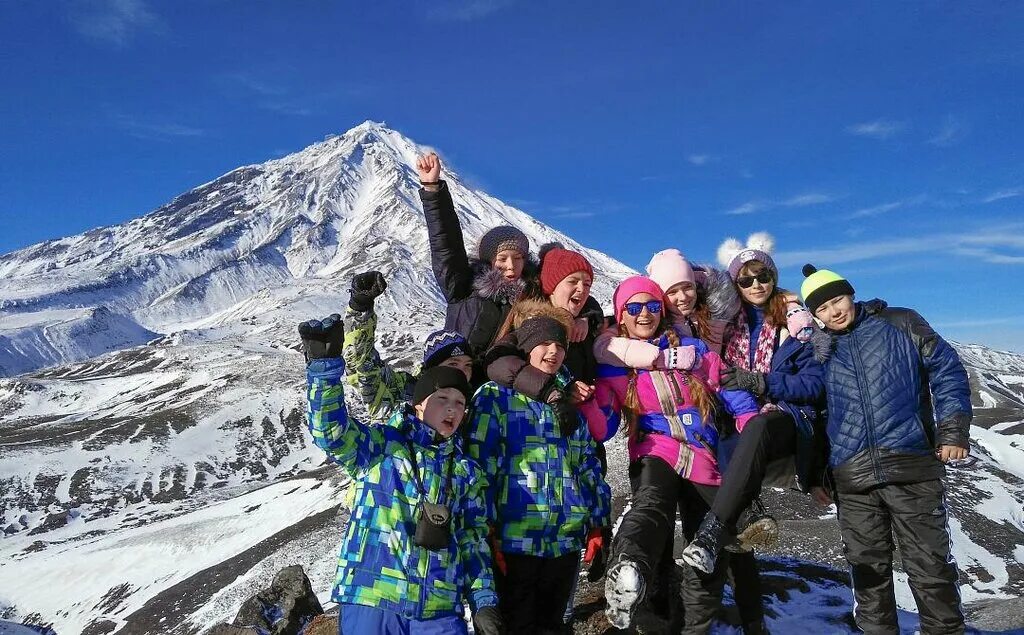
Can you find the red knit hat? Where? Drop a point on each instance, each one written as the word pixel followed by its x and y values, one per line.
pixel 556 264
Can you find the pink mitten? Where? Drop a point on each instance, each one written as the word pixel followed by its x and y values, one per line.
pixel 678 357
pixel 799 322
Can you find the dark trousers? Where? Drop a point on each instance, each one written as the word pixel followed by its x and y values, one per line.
pixel 533 594
pixel 765 438
pixel 657 493
pixel 916 512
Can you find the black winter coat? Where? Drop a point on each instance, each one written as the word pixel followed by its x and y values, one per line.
pixel 478 296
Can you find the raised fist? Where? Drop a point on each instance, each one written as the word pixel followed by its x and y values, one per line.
pixel 366 287
pixel 428 167
pixel 322 338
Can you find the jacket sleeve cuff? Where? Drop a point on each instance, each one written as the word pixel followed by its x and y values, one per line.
pixel 955 430
pixel 481 598
pixel 426 194
pixel 325 368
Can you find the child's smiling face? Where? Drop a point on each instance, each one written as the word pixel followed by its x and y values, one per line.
pixel 547 356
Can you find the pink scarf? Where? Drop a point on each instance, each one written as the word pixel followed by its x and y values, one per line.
pixel 737 353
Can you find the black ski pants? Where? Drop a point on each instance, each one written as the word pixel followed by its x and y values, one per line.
pixel 533 593
pixel 916 513
pixel 657 492
pixel 766 438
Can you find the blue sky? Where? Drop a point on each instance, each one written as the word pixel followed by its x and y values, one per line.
pixel 880 139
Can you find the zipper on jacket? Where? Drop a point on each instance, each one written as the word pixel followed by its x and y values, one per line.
pixel 865 403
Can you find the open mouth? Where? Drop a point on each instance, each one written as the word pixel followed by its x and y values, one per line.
pixel 575 303
pixel 644 321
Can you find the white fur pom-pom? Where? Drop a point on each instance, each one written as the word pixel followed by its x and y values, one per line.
pixel 761 241
pixel 728 250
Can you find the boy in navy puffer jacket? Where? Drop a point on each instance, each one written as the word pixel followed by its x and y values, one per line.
pixel 899 406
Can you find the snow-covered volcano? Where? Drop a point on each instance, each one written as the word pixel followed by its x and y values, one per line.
pixel 154 464
pixel 250 243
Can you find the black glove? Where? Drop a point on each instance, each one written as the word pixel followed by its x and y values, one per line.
pixel 365 288
pixel 600 561
pixel 322 338
pixel 487 621
pixel 739 379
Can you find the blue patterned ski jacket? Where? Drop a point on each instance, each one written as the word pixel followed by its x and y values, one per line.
pixel 547 491
pixel 378 565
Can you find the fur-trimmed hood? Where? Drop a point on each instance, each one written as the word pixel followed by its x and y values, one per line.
pixel 490 283
pixel 718 292
pixel 531 308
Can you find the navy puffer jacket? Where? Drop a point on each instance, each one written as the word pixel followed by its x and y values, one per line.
pixel 888 379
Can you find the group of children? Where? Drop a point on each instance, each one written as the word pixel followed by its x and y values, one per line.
pixel 480 483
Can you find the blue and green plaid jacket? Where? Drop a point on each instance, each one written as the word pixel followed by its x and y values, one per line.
pixel 378 565
pixel 546 490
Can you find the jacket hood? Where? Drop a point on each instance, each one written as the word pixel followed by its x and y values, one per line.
pixel 531 308
pixel 490 283
pixel 717 290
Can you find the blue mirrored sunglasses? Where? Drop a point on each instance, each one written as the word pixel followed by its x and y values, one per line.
pixel 636 308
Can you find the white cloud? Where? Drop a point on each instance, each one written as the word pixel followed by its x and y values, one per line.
pixel 800 200
pixel 747 208
pixel 1003 194
pixel 979 244
pixel 977 322
pixel 113 22
pixel 144 129
pixel 699 159
pixel 878 129
pixel 951 133
pixel 876 210
pixel 465 10
pixel 803 200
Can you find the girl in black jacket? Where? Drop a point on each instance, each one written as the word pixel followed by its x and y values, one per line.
pixel 480 291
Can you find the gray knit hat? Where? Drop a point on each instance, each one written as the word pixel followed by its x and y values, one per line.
pixel 500 238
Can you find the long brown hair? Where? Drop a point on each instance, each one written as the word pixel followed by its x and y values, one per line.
pixel 699 392
pixel 775 311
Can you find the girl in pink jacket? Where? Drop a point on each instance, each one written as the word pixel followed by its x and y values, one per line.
pixel 669 416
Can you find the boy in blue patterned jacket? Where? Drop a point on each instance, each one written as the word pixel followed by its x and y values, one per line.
pixel 416 544
pixel 547 497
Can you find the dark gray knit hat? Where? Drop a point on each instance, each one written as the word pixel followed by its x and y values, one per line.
pixel 500 238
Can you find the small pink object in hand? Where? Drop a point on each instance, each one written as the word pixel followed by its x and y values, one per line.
pixel 799 322
pixel 679 358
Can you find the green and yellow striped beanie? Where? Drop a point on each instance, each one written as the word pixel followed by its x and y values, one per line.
pixel 821 285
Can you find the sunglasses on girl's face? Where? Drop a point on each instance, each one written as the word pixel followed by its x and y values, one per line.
pixel 636 308
pixel 745 282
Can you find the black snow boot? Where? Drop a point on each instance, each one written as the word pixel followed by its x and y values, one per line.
pixel 702 552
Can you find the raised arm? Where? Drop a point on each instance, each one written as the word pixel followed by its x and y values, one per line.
pixel 447 248
pixel 380 386
pixel 353 445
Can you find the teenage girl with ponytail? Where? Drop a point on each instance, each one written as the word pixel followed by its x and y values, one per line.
pixel 669 418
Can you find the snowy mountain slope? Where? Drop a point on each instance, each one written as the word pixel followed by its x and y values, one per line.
pixel 167 481
pixel 46 338
pixel 344 205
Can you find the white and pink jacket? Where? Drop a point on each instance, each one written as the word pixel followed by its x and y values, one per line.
pixel 669 424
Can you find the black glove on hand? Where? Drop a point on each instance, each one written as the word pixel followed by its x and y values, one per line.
pixel 487 621
pixel 322 338
pixel 365 288
pixel 739 379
